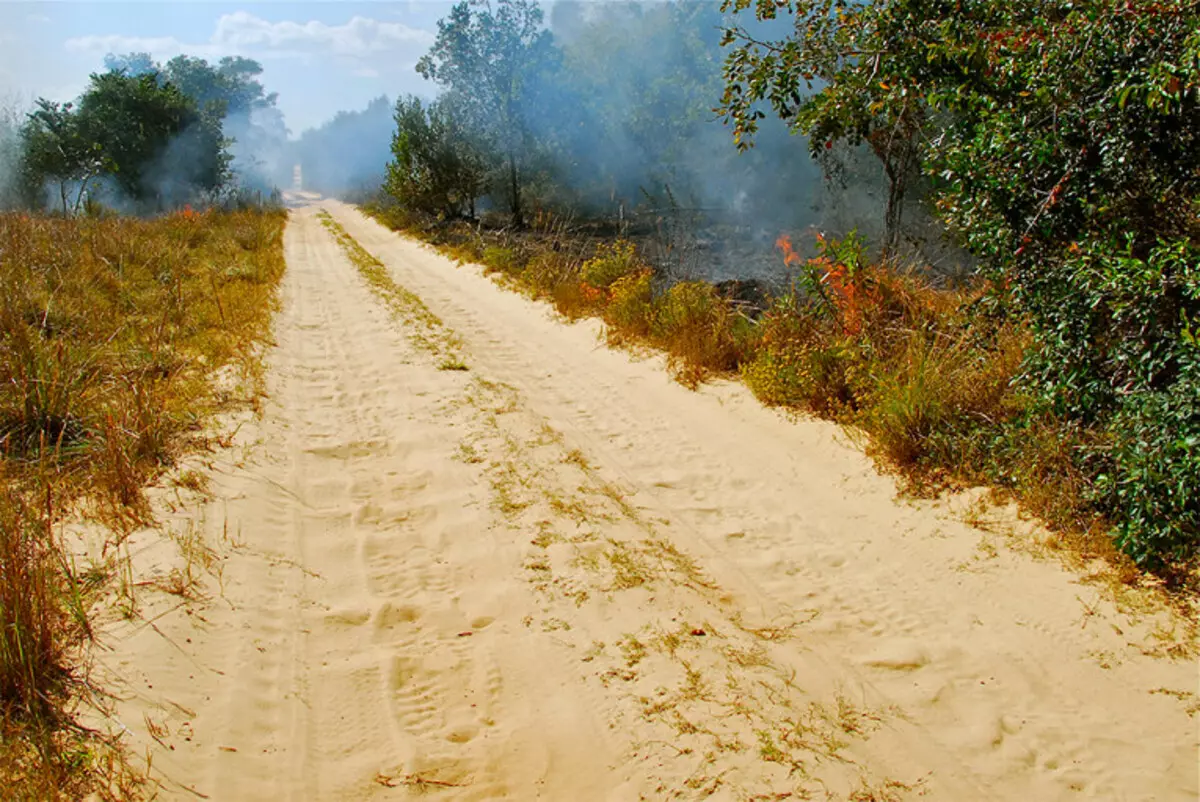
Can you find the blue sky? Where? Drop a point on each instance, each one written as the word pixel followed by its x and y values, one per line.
pixel 319 57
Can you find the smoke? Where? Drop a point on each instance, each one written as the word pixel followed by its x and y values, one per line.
pixel 629 118
pixel 348 155
pixel 11 116
pixel 259 148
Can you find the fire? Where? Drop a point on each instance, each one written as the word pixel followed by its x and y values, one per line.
pixel 851 296
pixel 784 244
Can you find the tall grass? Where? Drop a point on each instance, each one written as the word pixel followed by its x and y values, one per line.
pixel 118 337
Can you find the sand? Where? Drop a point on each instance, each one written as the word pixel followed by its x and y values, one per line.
pixel 558 575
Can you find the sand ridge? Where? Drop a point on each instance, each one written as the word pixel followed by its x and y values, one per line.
pixel 557 575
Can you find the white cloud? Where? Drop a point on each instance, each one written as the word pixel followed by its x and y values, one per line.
pixel 360 36
pixel 366 72
pixel 242 33
pixel 115 43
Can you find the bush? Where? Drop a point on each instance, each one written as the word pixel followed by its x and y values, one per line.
pixel 506 260
pixel 800 361
pixel 630 309
pixel 694 325
pixel 1150 478
pixel 612 261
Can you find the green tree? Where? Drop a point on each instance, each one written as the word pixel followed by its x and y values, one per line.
pixel 231 91
pixel 860 55
pixel 56 148
pixel 155 142
pixel 488 56
pixel 1062 140
pixel 436 167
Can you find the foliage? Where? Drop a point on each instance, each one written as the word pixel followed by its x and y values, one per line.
pixel 859 54
pixel 157 135
pixel 232 92
pixel 157 145
pixel 612 261
pixel 146 135
pixel 57 147
pixel 437 169
pixel 1063 143
pixel 487 57
pixel 630 309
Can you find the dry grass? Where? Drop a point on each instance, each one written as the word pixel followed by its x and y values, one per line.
pixel 426 329
pixel 118 338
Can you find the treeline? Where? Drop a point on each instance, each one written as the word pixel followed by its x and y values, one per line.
pixel 146 137
pixel 1056 143
pixel 602 111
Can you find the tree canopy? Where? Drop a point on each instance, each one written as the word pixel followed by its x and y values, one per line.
pixel 489 57
pixel 157 136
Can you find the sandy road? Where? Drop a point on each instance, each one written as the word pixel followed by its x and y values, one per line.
pixel 557 575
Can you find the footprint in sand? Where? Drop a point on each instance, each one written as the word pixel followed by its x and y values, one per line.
pixel 897 655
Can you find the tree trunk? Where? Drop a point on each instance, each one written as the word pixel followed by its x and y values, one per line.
pixel 515 190
pixel 895 207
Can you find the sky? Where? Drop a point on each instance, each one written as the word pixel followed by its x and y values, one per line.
pixel 320 57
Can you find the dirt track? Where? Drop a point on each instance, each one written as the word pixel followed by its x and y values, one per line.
pixel 557 575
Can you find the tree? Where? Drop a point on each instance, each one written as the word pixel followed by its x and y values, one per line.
pixel 155 142
pixel 56 147
pixel 231 92
pixel 140 131
pixel 860 55
pixel 436 167
pixel 1062 141
pixel 487 56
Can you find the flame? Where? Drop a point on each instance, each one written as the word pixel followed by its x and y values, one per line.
pixel 188 213
pixel 784 244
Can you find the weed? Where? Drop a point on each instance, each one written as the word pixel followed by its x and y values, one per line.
pixel 426 329
pixel 628 569
pixel 506 260
pixel 632 650
pixel 452 363
pixel 693 324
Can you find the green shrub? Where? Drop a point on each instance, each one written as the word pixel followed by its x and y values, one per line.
pixel 506 260
pixel 694 325
pixel 630 309
pixel 547 270
pixel 612 261
pixel 1150 479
